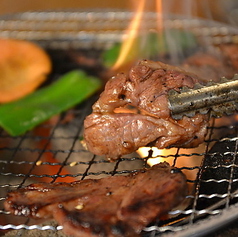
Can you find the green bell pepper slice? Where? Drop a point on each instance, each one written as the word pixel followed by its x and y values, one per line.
pixel 70 89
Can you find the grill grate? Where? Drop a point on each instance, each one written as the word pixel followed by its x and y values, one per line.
pixel 54 151
pixel 26 160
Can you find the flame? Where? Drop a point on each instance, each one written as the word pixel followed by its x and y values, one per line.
pixel 133 30
pixel 130 48
pixel 159 10
pixel 185 158
pixel 158 155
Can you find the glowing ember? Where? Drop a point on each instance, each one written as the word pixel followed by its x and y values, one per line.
pixel 158 155
pixel 176 156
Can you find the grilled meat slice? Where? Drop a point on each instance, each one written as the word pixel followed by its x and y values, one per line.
pixel 113 134
pixel 208 67
pixel 212 66
pixel 111 206
pixel 230 53
pixel 117 134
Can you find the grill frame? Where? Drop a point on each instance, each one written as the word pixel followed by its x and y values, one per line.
pixel 77 38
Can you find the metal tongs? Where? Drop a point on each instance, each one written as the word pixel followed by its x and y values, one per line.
pixel 220 98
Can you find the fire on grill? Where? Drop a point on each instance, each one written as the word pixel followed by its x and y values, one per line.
pixel 138 98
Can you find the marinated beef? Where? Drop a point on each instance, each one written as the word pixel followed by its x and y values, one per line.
pixel 230 53
pixel 144 93
pixel 208 67
pixel 214 66
pixel 111 206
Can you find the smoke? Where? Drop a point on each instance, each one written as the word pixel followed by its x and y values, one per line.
pixel 167 30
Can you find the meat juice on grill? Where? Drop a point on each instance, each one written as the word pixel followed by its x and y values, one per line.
pixel 112 206
pixel 145 89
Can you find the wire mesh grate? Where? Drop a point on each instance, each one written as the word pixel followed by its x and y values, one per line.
pixel 36 157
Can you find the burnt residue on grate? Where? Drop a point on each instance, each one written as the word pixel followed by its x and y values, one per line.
pixel 219 177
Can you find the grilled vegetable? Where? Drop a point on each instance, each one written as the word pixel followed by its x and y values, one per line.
pixel 24 66
pixel 22 115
